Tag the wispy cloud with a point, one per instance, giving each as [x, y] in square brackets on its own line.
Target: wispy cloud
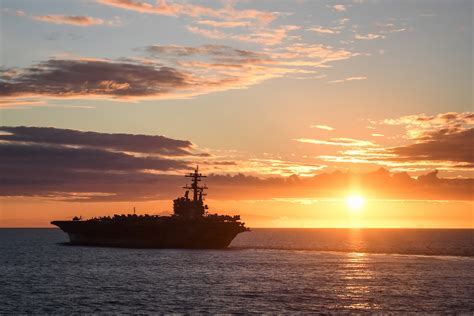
[77, 20]
[423, 127]
[224, 24]
[214, 34]
[369, 36]
[172, 8]
[263, 36]
[168, 72]
[348, 79]
[323, 30]
[344, 142]
[325, 127]
[13, 104]
[386, 28]
[338, 7]
[442, 141]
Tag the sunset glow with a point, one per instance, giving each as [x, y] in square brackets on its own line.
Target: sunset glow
[299, 112]
[355, 202]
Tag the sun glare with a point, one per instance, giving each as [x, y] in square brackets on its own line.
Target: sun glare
[355, 202]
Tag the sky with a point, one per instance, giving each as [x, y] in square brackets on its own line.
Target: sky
[293, 109]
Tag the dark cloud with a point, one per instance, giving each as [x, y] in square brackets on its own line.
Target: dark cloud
[85, 166]
[442, 145]
[62, 157]
[204, 50]
[167, 72]
[443, 141]
[75, 165]
[120, 142]
[66, 172]
[75, 78]
[94, 175]
[87, 185]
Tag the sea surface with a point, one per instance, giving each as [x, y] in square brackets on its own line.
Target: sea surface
[264, 271]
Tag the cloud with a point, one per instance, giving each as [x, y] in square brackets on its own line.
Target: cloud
[224, 24]
[91, 175]
[369, 36]
[167, 72]
[60, 157]
[314, 52]
[263, 36]
[323, 30]
[171, 8]
[72, 165]
[69, 19]
[204, 50]
[442, 141]
[46, 170]
[377, 184]
[214, 34]
[391, 28]
[13, 104]
[325, 127]
[13, 12]
[76, 20]
[117, 142]
[268, 37]
[271, 166]
[442, 146]
[338, 7]
[75, 78]
[344, 142]
[422, 126]
[348, 79]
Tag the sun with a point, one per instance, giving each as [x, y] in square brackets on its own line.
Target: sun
[355, 202]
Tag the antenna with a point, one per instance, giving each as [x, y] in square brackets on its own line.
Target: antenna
[195, 179]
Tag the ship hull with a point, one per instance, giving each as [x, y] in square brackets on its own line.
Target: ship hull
[162, 234]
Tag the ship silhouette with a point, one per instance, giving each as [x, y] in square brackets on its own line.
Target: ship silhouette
[190, 226]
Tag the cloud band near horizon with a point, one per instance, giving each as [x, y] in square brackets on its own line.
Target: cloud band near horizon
[89, 166]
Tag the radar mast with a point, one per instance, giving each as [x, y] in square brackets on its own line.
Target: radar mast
[198, 191]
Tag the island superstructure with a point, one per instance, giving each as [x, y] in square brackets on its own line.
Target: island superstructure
[190, 225]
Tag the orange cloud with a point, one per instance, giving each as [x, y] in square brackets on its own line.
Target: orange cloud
[422, 126]
[348, 79]
[187, 72]
[315, 51]
[344, 142]
[263, 36]
[442, 141]
[322, 30]
[69, 19]
[163, 7]
[71, 165]
[338, 7]
[214, 34]
[11, 104]
[224, 24]
[325, 127]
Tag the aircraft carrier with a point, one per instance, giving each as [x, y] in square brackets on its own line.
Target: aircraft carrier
[190, 226]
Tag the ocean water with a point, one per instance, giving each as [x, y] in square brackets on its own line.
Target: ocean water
[264, 271]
